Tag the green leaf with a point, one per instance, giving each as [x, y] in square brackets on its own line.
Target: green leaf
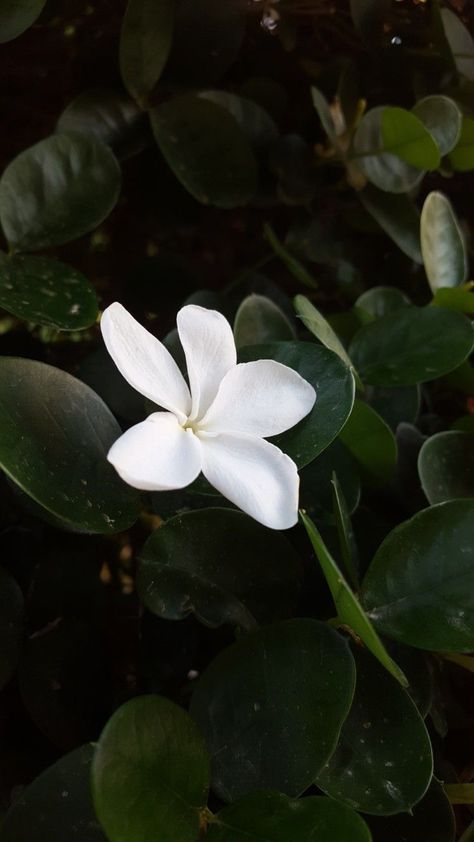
[432, 818]
[145, 44]
[369, 17]
[315, 481]
[189, 565]
[18, 15]
[404, 135]
[419, 588]
[349, 610]
[396, 404]
[446, 466]
[382, 168]
[271, 707]
[11, 625]
[347, 542]
[294, 266]
[462, 156]
[46, 292]
[460, 42]
[273, 817]
[383, 762]
[398, 216]
[320, 327]
[334, 386]
[206, 149]
[442, 243]
[259, 128]
[370, 440]
[379, 301]
[55, 433]
[443, 119]
[412, 345]
[57, 190]
[57, 805]
[259, 320]
[460, 299]
[150, 773]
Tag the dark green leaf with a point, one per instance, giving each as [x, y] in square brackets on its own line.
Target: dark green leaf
[259, 128]
[315, 486]
[398, 216]
[370, 440]
[150, 773]
[206, 150]
[462, 156]
[54, 436]
[16, 16]
[461, 43]
[443, 119]
[315, 322]
[382, 168]
[347, 542]
[446, 466]
[432, 818]
[57, 190]
[412, 345]
[396, 404]
[383, 762]
[334, 386]
[145, 44]
[442, 243]
[11, 625]
[46, 292]
[259, 320]
[190, 565]
[271, 707]
[379, 301]
[419, 588]
[294, 266]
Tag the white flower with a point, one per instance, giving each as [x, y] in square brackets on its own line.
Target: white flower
[216, 425]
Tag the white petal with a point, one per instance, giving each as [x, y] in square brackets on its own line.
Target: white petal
[261, 398]
[144, 362]
[157, 454]
[253, 474]
[208, 343]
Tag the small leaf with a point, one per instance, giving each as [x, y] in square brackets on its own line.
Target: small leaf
[150, 773]
[348, 607]
[370, 440]
[461, 43]
[462, 156]
[384, 169]
[404, 135]
[145, 44]
[443, 119]
[446, 466]
[46, 292]
[397, 216]
[442, 243]
[412, 345]
[259, 320]
[57, 190]
[271, 707]
[11, 625]
[206, 149]
[431, 818]
[55, 433]
[419, 588]
[257, 126]
[379, 301]
[18, 15]
[320, 328]
[347, 542]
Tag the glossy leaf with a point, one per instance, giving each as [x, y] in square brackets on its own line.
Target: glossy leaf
[273, 817]
[395, 404]
[11, 625]
[419, 587]
[404, 135]
[206, 150]
[442, 243]
[271, 707]
[315, 322]
[145, 44]
[384, 169]
[255, 123]
[189, 565]
[56, 191]
[150, 773]
[46, 292]
[57, 805]
[412, 345]
[461, 43]
[397, 216]
[18, 15]
[315, 481]
[462, 156]
[443, 119]
[383, 762]
[54, 436]
[259, 320]
[379, 301]
[446, 466]
[370, 440]
[334, 386]
[349, 610]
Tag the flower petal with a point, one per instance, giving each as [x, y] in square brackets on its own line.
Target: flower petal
[261, 398]
[157, 454]
[208, 343]
[144, 362]
[253, 474]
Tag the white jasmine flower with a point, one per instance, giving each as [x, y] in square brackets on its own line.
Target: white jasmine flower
[218, 424]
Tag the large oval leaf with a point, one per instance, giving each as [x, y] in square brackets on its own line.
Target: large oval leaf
[57, 805]
[54, 436]
[254, 121]
[46, 292]
[383, 762]
[442, 243]
[11, 625]
[419, 588]
[57, 190]
[206, 150]
[273, 817]
[16, 16]
[334, 386]
[412, 345]
[145, 43]
[189, 565]
[150, 773]
[382, 168]
[272, 705]
[443, 119]
[446, 466]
